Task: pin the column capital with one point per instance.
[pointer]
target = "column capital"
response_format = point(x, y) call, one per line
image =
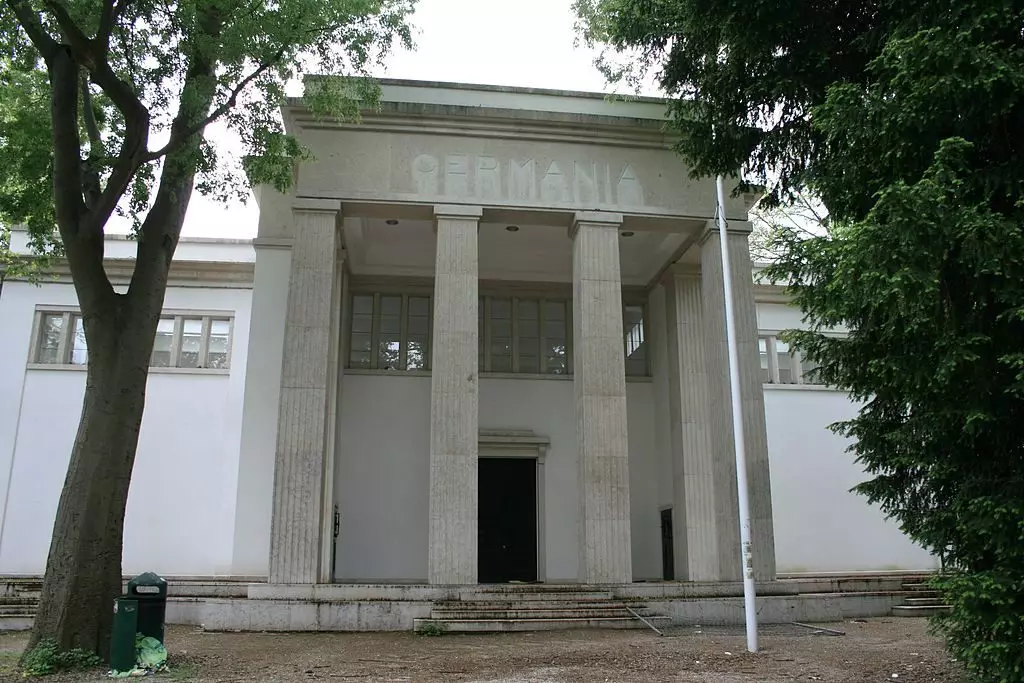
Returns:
point(458, 211)
point(681, 271)
point(711, 229)
point(315, 205)
point(601, 219)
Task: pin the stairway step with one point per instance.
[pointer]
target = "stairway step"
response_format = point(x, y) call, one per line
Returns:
point(17, 610)
point(919, 611)
point(923, 602)
point(506, 596)
point(506, 625)
point(16, 623)
point(18, 601)
point(531, 614)
point(529, 604)
point(917, 586)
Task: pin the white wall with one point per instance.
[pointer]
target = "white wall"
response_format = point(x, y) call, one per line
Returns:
point(180, 514)
point(382, 469)
point(383, 472)
point(259, 406)
point(644, 481)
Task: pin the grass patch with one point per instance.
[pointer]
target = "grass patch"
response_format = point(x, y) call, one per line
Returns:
point(9, 663)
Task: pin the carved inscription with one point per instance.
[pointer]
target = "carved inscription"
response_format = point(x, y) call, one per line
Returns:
point(558, 181)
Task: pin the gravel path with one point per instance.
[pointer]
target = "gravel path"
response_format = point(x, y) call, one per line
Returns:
point(875, 650)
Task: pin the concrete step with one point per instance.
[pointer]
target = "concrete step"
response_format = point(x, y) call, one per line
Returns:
point(569, 613)
point(591, 603)
point(16, 623)
point(508, 625)
point(919, 610)
point(18, 601)
point(516, 596)
point(917, 586)
point(923, 602)
point(17, 610)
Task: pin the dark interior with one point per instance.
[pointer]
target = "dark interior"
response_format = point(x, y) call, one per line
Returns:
point(508, 520)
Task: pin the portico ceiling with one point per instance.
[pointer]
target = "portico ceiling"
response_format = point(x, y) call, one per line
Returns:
point(530, 253)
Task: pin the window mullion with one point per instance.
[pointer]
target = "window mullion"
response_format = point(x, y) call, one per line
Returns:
point(428, 349)
point(63, 344)
point(487, 334)
point(569, 340)
point(796, 361)
point(375, 332)
point(773, 360)
point(515, 334)
point(204, 342)
point(542, 344)
point(179, 324)
point(403, 333)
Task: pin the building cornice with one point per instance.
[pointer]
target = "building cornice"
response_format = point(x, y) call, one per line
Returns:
point(495, 123)
point(224, 274)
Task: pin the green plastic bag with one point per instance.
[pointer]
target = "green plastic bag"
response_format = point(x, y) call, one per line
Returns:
point(150, 657)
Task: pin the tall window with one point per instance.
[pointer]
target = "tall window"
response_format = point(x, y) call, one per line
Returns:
point(182, 341)
point(524, 335)
point(635, 341)
point(781, 364)
point(390, 332)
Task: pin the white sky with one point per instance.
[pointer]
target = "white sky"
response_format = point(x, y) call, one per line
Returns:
point(529, 43)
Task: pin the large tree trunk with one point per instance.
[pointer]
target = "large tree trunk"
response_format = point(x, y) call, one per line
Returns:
point(83, 569)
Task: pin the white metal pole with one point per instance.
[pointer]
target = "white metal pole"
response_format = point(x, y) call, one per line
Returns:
point(746, 550)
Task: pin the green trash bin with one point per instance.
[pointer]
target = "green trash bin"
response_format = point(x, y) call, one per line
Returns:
point(122, 635)
point(150, 591)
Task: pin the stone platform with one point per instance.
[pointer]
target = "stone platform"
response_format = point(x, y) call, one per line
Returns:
point(219, 604)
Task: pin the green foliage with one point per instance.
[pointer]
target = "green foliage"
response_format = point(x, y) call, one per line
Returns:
point(907, 121)
point(431, 629)
point(46, 658)
point(258, 50)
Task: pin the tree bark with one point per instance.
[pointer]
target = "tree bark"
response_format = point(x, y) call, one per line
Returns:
point(83, 568)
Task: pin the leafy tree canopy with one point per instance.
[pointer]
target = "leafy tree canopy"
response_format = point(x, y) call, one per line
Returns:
point(105, 106)
point(907, 120)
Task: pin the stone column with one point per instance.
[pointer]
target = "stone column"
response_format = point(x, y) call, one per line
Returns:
point(693, 459)
point(454, 399)
point(599, 379)
point(303, 423)
point(752, 397)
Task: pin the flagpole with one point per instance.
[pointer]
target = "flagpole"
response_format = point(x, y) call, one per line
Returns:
point(746, 545)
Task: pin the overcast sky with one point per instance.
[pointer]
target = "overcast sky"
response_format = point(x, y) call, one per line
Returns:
point(527, 43)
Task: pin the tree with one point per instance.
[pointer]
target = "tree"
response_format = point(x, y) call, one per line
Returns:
point(119, 94)
point(906, 119)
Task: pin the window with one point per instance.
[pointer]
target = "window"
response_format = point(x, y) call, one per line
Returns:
point(182, 341)
point(781, 364)
point(390, 332)
point(524, 335)
point(635, 340)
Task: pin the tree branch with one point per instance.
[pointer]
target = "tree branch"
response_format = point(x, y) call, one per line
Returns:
point(91, 173)
point(29, 21)
point(67, 152)
point(178, 140)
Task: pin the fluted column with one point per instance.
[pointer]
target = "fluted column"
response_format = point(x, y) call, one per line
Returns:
point(693, 459)
point(454, 399)
point(599, 380)
point(752, 397)
point(302, 432)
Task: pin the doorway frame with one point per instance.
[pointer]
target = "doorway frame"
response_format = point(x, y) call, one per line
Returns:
point(523, 443)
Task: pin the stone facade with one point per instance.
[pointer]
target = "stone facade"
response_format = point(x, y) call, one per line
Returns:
point(486, 176)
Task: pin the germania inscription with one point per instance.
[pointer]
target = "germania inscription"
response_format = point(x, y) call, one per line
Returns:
point(561, 181)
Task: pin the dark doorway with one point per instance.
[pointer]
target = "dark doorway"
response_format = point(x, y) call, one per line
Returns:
point(668, 554)
point(507, 531)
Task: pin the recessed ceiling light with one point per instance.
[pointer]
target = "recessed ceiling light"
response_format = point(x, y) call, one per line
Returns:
point(512, 228)
point(627, 233)
point(391, 221)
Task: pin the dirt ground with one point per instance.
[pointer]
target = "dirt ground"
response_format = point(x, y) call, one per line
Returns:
point(875, 650)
